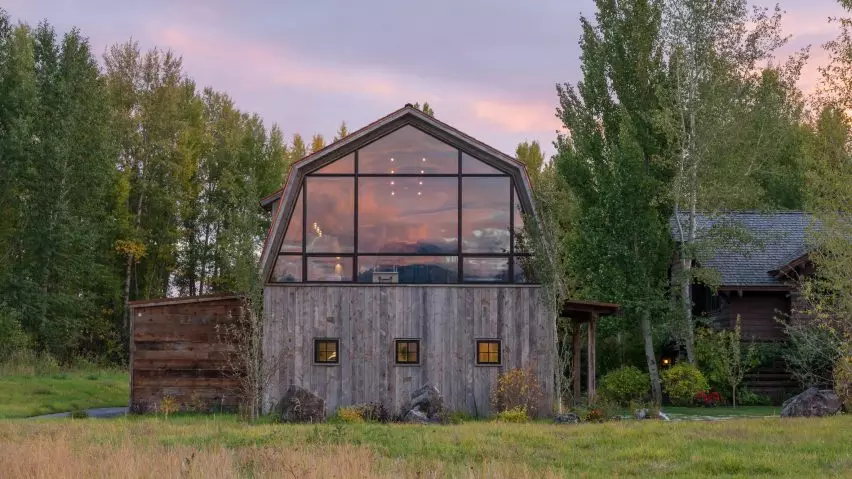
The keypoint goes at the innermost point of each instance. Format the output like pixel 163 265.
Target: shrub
pixel 350 414
pixel 168 405
pixel 624 385
pixel 682 382
pixel 595 414
pixel 708 399
pixel 517 414
pixel 810 353
pixel 518 387
pixel 843 381
pixel 747 397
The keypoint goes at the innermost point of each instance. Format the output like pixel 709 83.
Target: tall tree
pixel 425 108
pixel 317 143
pixel 614 162
pixel 715 49
pixel 298 149
pixel 829 194
pixel 530 154
pixel 149 95
pixel 61 172
pixel 342 132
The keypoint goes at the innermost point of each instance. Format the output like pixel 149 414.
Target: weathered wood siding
pixel 175 352
pixel 758 312
pixel 367 319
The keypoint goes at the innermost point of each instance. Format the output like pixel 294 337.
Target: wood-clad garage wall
pixel 175 352
pixel 367 319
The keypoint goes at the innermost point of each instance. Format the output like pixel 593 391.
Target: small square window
pixel 488 351
pixel 407 351
pixel 326 351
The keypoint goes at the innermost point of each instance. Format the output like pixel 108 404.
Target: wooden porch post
pixel 591 359
pixel 575 362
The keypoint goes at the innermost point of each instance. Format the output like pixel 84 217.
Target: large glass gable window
pixel 406 208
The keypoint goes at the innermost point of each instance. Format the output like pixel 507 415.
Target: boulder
pixel 813 402
pixel 416 416
pixel 300 405
pixel 567 418
pixel 428 399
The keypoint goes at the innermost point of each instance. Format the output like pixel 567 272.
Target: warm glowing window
pixel 488 351
pixel 327 351
pixel 408 351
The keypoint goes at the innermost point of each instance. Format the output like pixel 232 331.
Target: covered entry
pixel 585 312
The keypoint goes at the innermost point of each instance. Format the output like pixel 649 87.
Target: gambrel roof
pixel 408 115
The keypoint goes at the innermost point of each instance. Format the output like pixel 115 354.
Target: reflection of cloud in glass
pixel 408 151
pixel 288 269
pixel 472 166
pixel 330 268
pixel 410 269
pixel 293 237
pixel 343 166
pixel 485 215
pixel 486 269
pixel 408 215
pixel 331 215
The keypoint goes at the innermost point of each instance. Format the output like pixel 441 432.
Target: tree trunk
pixel 656 387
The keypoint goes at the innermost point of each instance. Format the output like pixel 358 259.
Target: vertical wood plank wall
pixel 367 319
pixel 175 351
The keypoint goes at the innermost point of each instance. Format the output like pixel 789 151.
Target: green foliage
pixel 350 414
pixel 530 154
pixel 517 388
pixel 810 352
pixel 516 414
pixel 843 381
pixel 747 397
pixel 625 385
pixel 682 382
pixel 37 385
pixel 13 339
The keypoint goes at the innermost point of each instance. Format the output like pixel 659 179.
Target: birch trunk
pixel 653 371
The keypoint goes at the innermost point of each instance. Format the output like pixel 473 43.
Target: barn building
pixel 395 259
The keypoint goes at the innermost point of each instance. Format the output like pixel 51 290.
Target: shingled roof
pixel 780 237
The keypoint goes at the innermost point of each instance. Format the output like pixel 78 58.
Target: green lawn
pixel 742 411
pixel 25 395
pixel 220 446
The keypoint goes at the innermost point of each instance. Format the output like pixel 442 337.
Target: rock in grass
pixel 428 400
pixel 416 416
pixel 567 418
pixel 300 405
pixel 813 402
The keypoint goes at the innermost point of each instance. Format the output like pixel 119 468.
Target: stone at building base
pixel 300 405
pixel 813 402
pixel 426 405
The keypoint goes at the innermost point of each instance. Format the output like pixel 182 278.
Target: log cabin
pixel 758 280
pixel 394 260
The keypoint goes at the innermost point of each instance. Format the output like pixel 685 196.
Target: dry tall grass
pixel 50 452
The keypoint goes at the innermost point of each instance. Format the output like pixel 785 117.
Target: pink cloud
pixel 517 117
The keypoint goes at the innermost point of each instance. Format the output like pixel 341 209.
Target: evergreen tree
pixel 342 132
pixel 317 143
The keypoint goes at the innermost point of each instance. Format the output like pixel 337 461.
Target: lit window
pixel 408 351
pixel 488 351
pixel 326 351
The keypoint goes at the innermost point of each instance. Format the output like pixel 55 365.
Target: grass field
pixel 223 447
pixel 23 394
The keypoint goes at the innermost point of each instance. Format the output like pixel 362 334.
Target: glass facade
pixel 406 208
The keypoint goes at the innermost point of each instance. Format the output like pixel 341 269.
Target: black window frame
pixel 499 343
pixel 407 341
pixel 318 342
pixel 510 255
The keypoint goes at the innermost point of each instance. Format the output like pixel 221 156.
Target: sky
pixel 487 67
